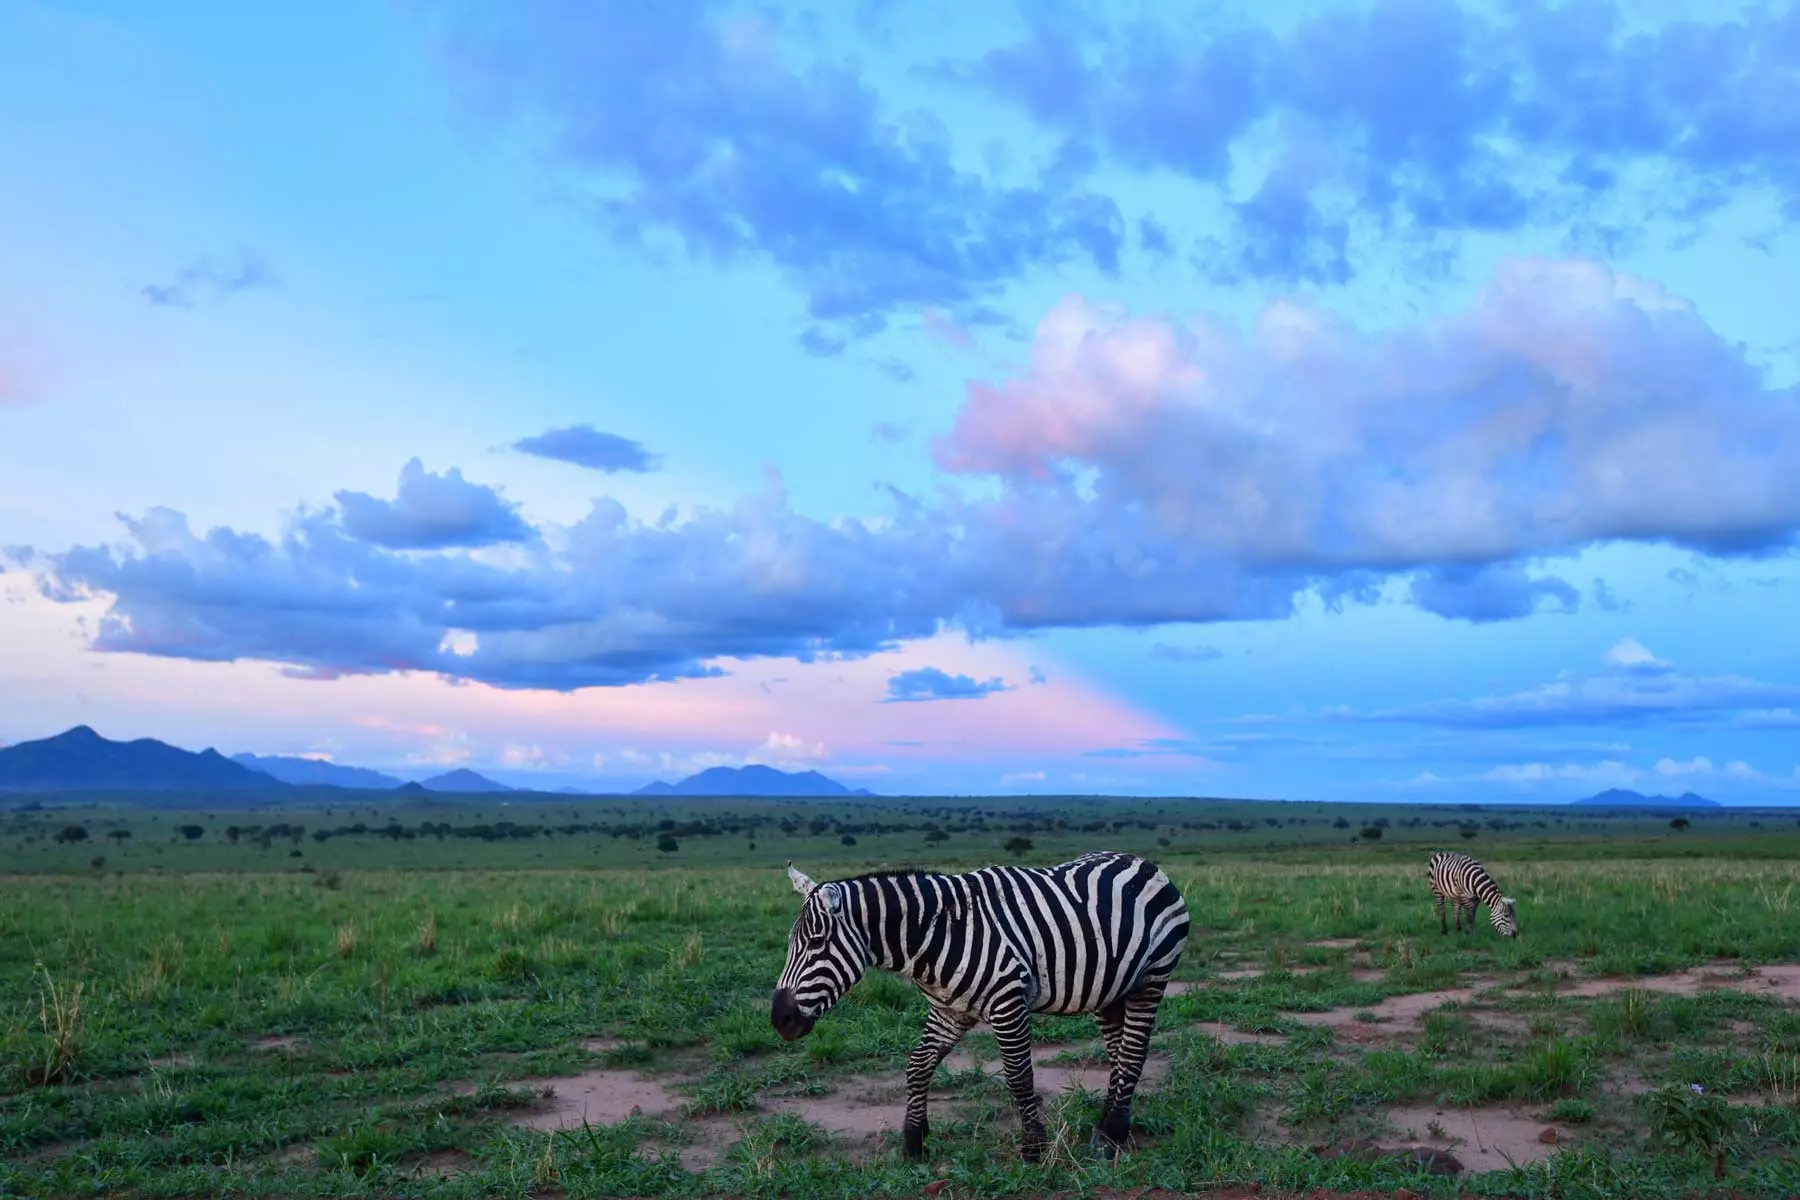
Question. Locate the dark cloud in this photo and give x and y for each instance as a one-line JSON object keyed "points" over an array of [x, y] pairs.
{"points": [[929, 683], [1139, 472], [710, 128], [585, 446], [1411, 118], [1492, 592], [433, 512], [214, 280]]}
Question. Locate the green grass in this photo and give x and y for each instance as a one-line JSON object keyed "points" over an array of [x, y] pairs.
{"points": [[224, 1020]]}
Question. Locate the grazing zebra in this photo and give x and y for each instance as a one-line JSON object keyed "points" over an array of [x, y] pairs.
{"points": [[1099, 934], [1467, 884]]}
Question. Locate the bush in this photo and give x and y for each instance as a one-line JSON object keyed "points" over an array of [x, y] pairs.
{"points": [[667, 844], [1370, 833], [1017, 845]]}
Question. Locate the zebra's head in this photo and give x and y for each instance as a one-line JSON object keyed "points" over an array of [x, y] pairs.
{"points": [[826, 955], [1504, 916]]}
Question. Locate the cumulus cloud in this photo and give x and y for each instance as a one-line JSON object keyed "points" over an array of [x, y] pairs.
{"points": [[1415, 118], [930, 683], [433, 512], [1698, 765], [1634, 687], [713, 131], [585, 446], [212, 280], [1137, 472]]}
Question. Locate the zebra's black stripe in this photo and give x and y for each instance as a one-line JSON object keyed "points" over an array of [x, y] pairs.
{"points": [[1102, 934], [1466, 883]]}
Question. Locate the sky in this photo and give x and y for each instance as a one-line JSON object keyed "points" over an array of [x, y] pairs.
{"points": [[1350, 401]]}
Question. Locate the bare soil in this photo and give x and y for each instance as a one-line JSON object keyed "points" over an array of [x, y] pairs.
{"points": [[1484, 1139], [289, 1044], [596, 1097]]}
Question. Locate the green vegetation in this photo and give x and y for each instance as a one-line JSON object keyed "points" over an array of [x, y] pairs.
{"points": [[382, 1014]]}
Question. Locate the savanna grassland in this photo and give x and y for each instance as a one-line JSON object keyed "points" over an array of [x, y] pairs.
{"points": [[435, 1011]]}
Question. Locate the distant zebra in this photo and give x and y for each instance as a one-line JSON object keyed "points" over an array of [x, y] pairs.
{"points": [[1099, 934], [1466, 883]]}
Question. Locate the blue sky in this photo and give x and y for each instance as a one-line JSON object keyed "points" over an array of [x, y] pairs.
{"points": [[1359, 401]]}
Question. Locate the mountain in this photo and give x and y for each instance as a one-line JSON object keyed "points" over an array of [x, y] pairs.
{"points": [[462, 780], [82, 760], [310, 772], [1624, 798], [752, 781]]}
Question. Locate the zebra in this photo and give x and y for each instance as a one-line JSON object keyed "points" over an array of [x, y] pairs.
{"points": [[1464, 881], [1099, 934]]}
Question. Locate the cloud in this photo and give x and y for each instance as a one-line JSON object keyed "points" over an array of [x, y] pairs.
{"points": [[1699, 765], [433, 512], [929, 683], [781, 748], [710, 131], [1135, 473], [585, 446], [1185, 654], [1016, 778], [1413, 119], [1610, 773], [1494, 592], [213, 280], [1636, 687]]}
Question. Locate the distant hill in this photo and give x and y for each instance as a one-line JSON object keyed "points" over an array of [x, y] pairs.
{"points": [[461, 780], [310, 772], [1624, 798], [82, 760], [752, 781]]}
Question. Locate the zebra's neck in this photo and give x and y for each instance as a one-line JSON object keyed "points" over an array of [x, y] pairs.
{"points": [[898, 911], [1486, 890]]}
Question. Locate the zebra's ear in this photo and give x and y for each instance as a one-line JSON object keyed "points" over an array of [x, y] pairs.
{"points": [[1507, 900], [801, 883]]}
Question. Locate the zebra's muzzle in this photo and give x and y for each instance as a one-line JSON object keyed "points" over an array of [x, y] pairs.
{"points": [[785, 1015]]}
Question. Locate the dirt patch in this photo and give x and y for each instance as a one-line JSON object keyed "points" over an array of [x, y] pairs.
{"points": [[1409, 1009], [596, 1097], [1779, 981], [1336, 943], [173, 1062], [1485, 1139], [442, 1164], [287, 1044], [601, 1045]]}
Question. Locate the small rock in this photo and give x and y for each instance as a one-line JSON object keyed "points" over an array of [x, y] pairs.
{"points": [[1407, 1194], [936, 1186], [1438, 1162], [1548, 1137]]}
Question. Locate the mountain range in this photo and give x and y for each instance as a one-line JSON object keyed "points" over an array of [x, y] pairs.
{"points": [[1624, 798], [80, 760], [752, 781]]}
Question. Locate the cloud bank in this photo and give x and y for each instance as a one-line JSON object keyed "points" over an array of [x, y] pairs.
{"points": [[1138, 472], [1318, 149]]}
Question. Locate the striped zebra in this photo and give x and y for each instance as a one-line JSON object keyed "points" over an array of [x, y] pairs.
{"points": [[1466, 883], [1100, 934]]}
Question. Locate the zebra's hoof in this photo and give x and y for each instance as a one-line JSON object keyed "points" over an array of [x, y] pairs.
{"points": [[1031, 1150], [913, 1141]]}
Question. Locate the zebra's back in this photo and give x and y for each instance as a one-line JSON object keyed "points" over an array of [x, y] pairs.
{"points": [[1092, 929], [1458, 875]]}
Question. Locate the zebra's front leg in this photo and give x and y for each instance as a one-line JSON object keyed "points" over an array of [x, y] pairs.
{"points": [[1012, 1029], [1443, 924], [943, 1029], [1126, 1049]]}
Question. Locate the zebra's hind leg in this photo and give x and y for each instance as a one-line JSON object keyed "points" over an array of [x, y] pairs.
{"points": [[1125, 1050], [943, 1029], [1012, 1029]]}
